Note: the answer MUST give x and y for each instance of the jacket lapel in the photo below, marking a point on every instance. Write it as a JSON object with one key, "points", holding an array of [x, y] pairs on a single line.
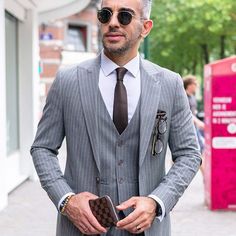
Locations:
{"points": [[88, 77], [150, 97]]}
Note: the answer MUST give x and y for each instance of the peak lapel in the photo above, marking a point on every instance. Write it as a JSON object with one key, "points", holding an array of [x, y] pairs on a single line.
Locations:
{"points": [[88, 78], [150, 97]]}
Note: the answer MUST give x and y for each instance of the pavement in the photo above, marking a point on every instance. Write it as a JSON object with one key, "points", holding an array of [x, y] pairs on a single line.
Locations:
{"points": [[31, 213]]}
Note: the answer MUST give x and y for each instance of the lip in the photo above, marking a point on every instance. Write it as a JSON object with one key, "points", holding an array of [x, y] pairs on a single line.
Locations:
{"points": [[114, 36]]}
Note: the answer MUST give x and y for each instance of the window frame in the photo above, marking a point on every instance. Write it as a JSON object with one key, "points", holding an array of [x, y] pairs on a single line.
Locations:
{"points": [[79, 23]]}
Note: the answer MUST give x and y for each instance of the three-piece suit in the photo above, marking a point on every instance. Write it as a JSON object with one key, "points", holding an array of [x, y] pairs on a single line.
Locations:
{"points": [[99, 159]]}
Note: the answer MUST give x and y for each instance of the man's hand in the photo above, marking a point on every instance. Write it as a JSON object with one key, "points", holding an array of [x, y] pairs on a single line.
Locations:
{"points": [[141, 218], [78, 211]]}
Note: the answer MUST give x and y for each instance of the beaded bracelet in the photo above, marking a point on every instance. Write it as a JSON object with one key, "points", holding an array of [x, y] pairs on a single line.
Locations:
{"points": [[64, 203]]}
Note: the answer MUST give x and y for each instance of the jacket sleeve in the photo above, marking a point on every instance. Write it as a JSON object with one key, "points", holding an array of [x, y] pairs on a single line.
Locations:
{"points": [[48, 140], [185, 151]]}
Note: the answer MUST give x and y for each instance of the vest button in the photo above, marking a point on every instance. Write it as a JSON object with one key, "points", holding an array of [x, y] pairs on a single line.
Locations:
{"points": [[97, 180], [120, 143], [120, 162], [121, 180]]}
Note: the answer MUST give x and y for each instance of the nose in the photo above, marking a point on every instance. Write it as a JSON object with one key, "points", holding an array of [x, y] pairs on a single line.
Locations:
{"points": [[114, 21]]}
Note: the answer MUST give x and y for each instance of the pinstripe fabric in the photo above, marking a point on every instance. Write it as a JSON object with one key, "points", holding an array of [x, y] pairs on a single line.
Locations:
{"points": [[118, 158], [71, 112]]}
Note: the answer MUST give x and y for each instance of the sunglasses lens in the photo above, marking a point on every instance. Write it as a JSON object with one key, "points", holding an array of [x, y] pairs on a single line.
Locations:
{"points": [[124, 17], [104, 16]]}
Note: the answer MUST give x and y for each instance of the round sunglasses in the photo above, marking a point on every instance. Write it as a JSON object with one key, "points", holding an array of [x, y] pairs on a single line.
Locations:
{"points": [[124, 17]]}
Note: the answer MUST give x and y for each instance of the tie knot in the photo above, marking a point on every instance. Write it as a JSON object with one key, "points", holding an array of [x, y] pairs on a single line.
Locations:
{"points": [[120, 71]]}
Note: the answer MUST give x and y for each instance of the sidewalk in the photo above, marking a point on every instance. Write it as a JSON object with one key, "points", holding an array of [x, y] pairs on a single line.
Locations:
{"points": [[191, 218], [30, 213]]}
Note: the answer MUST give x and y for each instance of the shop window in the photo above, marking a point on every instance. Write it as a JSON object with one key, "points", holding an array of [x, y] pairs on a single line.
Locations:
{"points": [[77, 38], [12, 98]]}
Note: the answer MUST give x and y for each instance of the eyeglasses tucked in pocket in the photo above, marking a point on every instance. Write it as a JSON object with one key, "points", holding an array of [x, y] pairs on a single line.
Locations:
{"points": [[158, 131]]}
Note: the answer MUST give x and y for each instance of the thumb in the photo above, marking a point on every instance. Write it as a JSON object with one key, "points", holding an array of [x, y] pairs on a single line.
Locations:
{"points": [[127, 204]]}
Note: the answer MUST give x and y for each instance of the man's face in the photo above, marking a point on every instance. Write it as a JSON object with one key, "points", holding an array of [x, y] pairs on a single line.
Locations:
{"points": [[193, 88], [119, 39]]}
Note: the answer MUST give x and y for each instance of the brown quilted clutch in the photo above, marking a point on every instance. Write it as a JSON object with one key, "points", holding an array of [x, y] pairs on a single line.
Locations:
{"points": [[104, 211]]}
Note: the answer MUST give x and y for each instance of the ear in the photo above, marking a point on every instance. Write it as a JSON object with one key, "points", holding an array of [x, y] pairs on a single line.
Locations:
{"points": [[147, 26]]}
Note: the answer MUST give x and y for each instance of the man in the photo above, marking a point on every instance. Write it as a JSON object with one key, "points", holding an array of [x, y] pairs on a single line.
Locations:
{"points": [[190, 86], [117, 112]]}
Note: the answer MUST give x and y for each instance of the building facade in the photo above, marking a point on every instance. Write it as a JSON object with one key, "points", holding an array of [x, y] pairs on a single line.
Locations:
{"points": [[66, 41], [19, 82]]}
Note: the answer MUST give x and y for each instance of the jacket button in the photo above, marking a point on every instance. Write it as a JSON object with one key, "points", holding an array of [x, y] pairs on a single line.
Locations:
{"points": [[120, 162], [121, 180], [120, 143], [97, 180]]}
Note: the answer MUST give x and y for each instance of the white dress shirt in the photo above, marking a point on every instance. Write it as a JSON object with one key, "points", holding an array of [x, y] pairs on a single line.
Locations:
{"points": [[107, 83], [132, 82]]}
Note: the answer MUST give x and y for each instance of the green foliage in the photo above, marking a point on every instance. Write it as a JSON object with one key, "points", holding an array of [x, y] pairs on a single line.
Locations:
{"points": [[190, 33]]}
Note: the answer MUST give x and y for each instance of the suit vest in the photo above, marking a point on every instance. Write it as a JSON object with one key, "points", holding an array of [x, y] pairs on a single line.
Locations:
{"points": [[119, 156]]}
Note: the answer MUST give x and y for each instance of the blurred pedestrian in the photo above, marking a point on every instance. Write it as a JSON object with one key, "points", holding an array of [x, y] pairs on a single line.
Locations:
{"points": [[191, 85], [117, 112]]}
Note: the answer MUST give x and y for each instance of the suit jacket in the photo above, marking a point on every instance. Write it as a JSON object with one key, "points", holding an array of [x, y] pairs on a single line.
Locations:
{"points": [[70, 112]]}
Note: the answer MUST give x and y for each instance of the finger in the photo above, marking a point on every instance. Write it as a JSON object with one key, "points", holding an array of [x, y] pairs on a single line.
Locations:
{"points": [[138, 230], [91, 222], [87, 228], [140, 227], [92, 196], [95, 224], [129, 219], [84, 224], [135, 225], [82, 228], [127, 204], [144, 225]]}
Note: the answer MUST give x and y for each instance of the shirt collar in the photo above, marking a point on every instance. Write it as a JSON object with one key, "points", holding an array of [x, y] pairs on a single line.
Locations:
{"points": [[108, 66]]}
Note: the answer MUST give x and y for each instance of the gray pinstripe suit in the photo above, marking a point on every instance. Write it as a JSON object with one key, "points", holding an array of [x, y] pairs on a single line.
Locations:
{"points": [[71, 112]]}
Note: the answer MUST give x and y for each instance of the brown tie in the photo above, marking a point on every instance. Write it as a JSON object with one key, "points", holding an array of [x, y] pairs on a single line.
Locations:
{"points": [[120, 107]]}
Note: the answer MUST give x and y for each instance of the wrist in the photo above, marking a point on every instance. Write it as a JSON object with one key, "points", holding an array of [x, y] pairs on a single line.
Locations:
{"points": [[64, 204], [158, 208]]}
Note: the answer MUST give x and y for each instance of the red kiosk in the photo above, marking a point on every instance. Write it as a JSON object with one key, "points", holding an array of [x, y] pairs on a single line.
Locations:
{"points": [[220, 134]]}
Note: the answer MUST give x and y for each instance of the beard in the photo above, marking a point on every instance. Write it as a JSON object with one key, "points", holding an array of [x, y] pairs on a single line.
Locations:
{"points": [[117, 50], [125, 47]]}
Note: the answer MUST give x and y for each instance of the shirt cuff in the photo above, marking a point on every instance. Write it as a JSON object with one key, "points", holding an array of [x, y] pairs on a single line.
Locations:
{"points": [[160, 202], [64, 197]]}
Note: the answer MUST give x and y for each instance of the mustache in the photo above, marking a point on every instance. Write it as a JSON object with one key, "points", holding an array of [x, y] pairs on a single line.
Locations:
{"points": [[113, 30]]}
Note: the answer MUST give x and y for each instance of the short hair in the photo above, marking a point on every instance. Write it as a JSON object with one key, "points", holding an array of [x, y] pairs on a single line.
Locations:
{"points": [[189, 80], [146, 8]]}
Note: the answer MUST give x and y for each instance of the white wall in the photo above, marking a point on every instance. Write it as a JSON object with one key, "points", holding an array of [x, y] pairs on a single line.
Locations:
{"points": [[15, 169], [28, 89], [3, 190], [29, 84], [15, 9]]}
